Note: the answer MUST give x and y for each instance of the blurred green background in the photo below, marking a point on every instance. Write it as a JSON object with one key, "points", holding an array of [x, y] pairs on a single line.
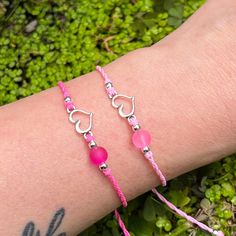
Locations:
{"points": [[44, 41]]}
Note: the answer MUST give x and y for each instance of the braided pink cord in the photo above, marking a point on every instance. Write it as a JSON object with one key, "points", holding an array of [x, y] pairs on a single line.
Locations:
{"points": [[133, 120], [63, 89], [149, 156], [108, 174], [111, 91], [121, 223], [69, 105], [187, 217], [103, 74]]}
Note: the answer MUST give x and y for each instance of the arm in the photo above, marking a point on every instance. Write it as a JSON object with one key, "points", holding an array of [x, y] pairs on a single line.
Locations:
{"points": [[185, 95]]}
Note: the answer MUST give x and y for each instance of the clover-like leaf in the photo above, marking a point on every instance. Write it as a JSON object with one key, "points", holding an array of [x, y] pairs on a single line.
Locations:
{"points": [[149, 213]]}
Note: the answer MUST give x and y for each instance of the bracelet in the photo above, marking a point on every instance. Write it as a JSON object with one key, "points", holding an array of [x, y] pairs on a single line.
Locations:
{"points": [[98, 155], [141, 139]]}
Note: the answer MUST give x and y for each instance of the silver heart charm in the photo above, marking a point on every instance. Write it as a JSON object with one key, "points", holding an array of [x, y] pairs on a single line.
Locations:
{"points": [[77, 122], [120, 107]]}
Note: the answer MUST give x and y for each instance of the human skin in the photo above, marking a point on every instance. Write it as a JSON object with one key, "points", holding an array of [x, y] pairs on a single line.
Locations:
{"points": [[185, 90]]}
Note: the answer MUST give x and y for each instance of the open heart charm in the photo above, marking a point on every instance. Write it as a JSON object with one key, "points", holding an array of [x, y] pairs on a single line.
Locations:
{"points": [[77, 122], [120, 107]]}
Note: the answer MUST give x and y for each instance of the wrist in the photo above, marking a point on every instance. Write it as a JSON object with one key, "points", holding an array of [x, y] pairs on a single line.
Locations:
{"points": [[184, 104]]}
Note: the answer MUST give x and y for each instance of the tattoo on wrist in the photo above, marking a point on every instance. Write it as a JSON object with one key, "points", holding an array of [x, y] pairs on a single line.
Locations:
{"points": [[30, 228]]}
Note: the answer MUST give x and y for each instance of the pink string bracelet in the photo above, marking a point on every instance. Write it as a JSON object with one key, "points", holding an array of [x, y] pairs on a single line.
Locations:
{"points": [[141, 139], [97, 154]]}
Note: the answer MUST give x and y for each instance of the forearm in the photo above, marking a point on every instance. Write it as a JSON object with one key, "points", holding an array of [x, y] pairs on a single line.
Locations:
{"points": [[44, 166]]}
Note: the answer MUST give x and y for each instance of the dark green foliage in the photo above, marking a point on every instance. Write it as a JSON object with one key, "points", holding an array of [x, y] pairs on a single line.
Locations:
{"points": [[207, 193], [43, 41]]}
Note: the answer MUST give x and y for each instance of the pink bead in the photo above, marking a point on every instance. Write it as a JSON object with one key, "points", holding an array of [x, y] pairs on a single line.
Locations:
{"points": [[98, 155], [89, 138], [141, 138]]}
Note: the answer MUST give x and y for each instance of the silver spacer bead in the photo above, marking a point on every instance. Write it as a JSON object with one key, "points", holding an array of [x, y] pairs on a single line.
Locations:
{"points": [[131, 117], [67, 99], [103, 166], [136, 127], [109, 85], [92, 144], [145, 150]]}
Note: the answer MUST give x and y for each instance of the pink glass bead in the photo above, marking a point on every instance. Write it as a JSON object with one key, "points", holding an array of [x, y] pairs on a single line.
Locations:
{"points": [[98, 155], [141, 138]]}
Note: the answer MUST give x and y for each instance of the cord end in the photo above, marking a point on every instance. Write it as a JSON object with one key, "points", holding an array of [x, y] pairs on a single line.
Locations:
{"points": [[218, 233], [98, 67]]}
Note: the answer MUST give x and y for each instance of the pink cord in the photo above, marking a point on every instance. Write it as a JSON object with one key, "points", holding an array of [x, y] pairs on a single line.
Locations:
{"points": [[69, 105], [107, 173], [121, 223], [144, 137], [187, 217], [133, 122], [149, 157]]}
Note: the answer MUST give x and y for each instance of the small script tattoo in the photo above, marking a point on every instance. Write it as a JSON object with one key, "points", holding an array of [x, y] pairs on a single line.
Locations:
{"points": [[30, 228]]}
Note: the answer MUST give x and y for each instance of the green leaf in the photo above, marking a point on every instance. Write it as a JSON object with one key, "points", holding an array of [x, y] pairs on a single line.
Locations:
{"points": [[205, 204], [202, 217], [228, 190], [106, 232], [149, 210], [163, 222], [140, 227], [149, 22], [111, 223], [168, 4], [178, 231], [173, 21], [179, 198], [176, 11], [233, 200], [139, 26], [115, 232]]}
